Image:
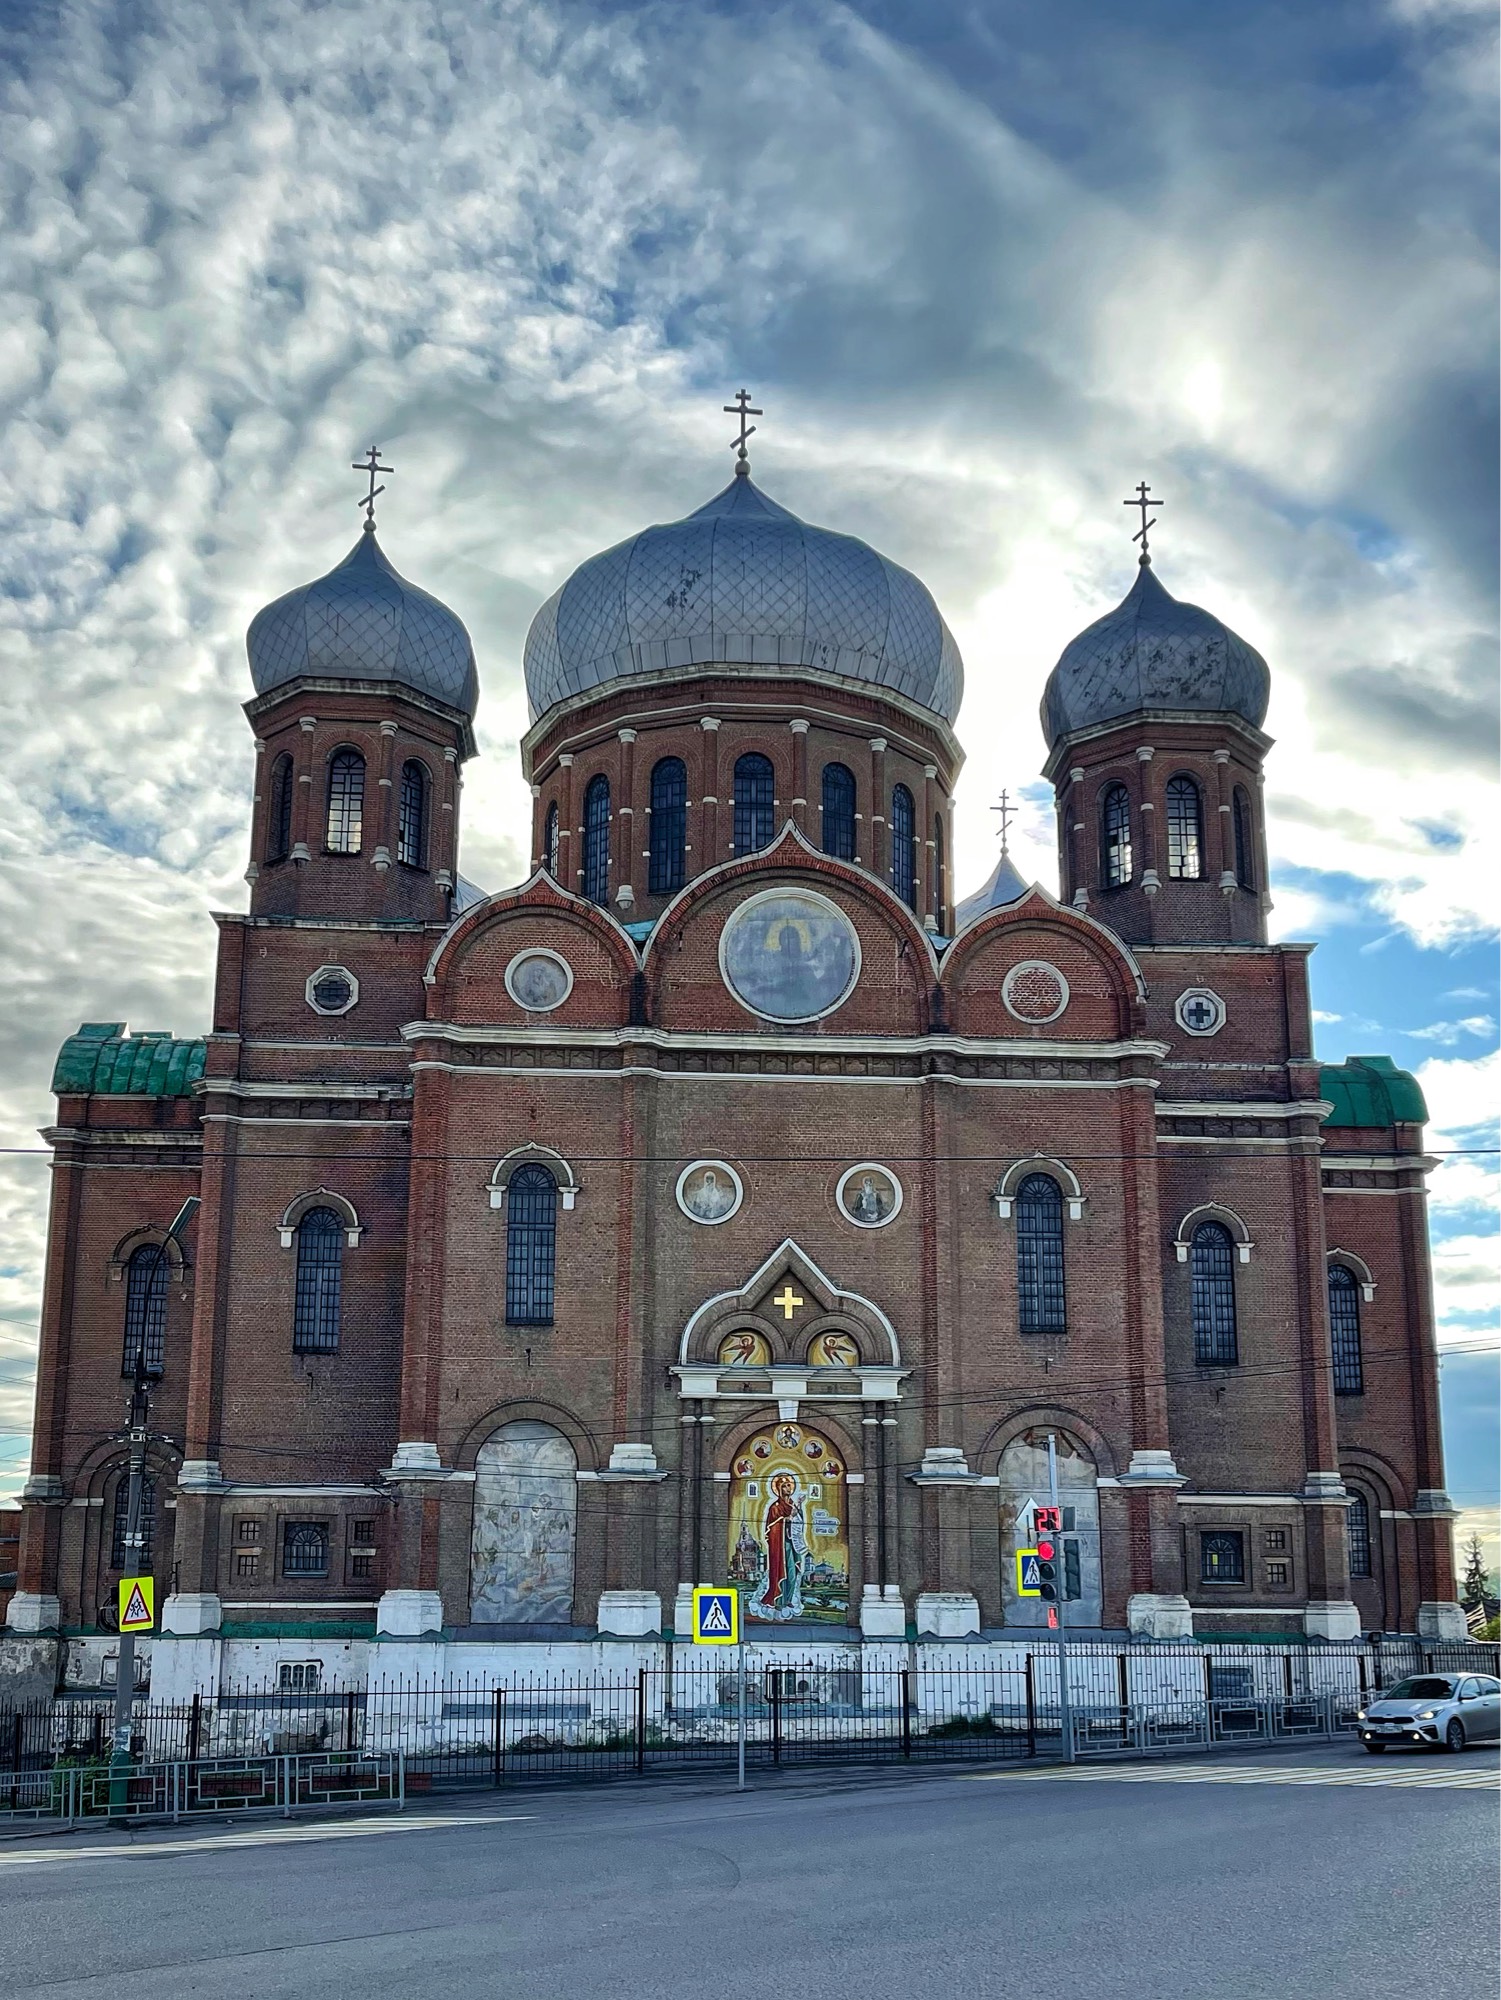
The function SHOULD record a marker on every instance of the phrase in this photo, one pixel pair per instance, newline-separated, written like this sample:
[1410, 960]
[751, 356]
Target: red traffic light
[1045, 1550]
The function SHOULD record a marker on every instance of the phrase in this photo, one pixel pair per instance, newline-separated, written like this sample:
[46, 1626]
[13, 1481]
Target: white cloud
[1476, 1026]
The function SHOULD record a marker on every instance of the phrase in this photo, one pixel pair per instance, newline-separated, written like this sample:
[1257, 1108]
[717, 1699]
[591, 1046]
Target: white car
[1447, 1709]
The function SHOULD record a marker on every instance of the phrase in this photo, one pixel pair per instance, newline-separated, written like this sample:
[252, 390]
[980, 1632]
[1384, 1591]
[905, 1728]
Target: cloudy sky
[985, 266]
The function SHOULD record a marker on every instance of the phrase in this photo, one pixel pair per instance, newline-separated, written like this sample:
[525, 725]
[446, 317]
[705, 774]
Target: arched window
[1245, 849]
[1115, 837]
[839, 812]
[1185, 831]
[120, 1522]
[1358, 1533]
[669, 827]
[320, 1282]
[597, 840]
[531, 1246]
[346, 802]
[146, 1309]
[279, 818]
[1039, 1255]
[1212, 1264]
[550, 841]
[1344, 1330]
[411, 818]
[940, 872]
[755, 802]
[903, 854]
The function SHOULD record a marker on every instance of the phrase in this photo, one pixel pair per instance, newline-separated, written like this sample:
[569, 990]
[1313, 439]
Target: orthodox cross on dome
[787, 1299]
[371, 465]
[1144, 501]
[1007, 812]
[741, 408]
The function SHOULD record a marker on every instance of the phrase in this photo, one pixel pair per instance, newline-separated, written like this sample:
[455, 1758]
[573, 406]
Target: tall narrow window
[669, 826]
[145, 1309]
[1245, 849]
[1185, 831]
[550, 841]
[903, 854]
[1344, 1330]
[411, 819]
[346, 802]
[1212, 1266]
[839, 811]
[279, 817]
[755, 802]
[940, 873]
[120, 1522]
[1039, 1255]
[320, 1283]
[531, 1246]
[597, 840]
[1358, 1533]
[1115, 837]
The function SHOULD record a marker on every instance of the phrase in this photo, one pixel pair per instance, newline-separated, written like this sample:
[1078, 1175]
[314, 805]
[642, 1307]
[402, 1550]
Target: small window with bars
[1279, 1575]
[597, 840]
[1344, 1331]
[1115, 837]
[1275, 1538]
[1185, 831]
[411, 818]
[320, 1280]
[839, 811]
[299, 1676]
[531, 1246]
[247, 1562]
[146, 1310]
[1358, 1534]
[1040, 1300]
[120, 1523]
[755, 815]
[279, 818]
[667, 839]
[362, 1550]
[1222, 1557]
[304, 1548]
[1212, 1268]
[346, 802]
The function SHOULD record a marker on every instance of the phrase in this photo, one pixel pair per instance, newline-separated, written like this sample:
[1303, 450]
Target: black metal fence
[982, 1703]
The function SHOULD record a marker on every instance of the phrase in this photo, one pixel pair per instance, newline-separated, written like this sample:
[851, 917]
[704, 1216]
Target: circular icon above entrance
[539, 980]
[1034, 992]
[789, 955]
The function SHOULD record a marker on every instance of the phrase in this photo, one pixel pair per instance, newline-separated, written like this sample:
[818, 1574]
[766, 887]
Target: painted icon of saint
[784, 1540]
[870, 1203]
[712, 1198]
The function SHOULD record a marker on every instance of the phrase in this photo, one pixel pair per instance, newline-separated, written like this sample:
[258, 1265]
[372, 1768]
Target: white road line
[1250, 1774]
[259, 1836]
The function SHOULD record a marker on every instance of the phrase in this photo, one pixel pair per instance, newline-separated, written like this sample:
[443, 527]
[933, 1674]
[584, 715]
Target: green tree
[1475, 1576]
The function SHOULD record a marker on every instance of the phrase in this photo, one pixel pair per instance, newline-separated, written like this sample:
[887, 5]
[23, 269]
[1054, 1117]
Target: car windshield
[1421, 1687]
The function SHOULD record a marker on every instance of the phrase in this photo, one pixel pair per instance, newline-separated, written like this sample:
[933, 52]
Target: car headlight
[1427, 1715]
[1360, 1715]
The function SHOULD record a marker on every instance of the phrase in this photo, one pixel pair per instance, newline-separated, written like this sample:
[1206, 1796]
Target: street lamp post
[135, 1537]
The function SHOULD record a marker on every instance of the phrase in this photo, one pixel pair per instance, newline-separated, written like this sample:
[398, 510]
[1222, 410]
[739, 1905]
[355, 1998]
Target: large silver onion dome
[742, 581]
[1153, 652]
[364, 622]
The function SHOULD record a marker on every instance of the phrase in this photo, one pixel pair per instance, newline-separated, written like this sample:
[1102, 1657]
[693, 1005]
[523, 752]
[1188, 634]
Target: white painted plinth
[407, 1614]
[948, 1614]
[1337, 1619]
[883, 1615]
[183, 1667]
[1150, 1615]
[30, 1611]
[630, 1614]
[190, 1612]
[1438, 1620]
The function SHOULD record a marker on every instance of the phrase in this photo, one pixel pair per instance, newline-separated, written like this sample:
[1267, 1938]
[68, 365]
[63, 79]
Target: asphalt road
[1321, 1871]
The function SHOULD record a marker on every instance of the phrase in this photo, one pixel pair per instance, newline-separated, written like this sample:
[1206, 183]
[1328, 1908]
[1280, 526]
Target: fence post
[195, 1725]
[906, 1674]
[640, 1719]
[500, 1737]
[349, 1709]
[285, 1774]
[401, 1781]
[776, 1716]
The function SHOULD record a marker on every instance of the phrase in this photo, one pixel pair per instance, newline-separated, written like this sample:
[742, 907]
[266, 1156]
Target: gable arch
[320, 1197]
[1061, 1417]
[529, 1409]
[538, 896]
[1104, 992]
[842, 1310]
[148, 1236]
[1004, 1196]
[1213, 1211]
[536, 1155]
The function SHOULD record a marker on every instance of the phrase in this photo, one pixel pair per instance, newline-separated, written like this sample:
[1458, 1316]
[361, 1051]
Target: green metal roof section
[104, 1057]
[1372, 1091]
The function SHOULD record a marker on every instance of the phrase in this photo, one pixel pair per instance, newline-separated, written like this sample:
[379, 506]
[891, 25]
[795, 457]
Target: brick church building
[725, 1203]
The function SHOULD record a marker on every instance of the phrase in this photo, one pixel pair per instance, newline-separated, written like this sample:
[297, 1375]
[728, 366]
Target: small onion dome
[1153, 652]
[363, 622]
[1005, 886]
[744, 582]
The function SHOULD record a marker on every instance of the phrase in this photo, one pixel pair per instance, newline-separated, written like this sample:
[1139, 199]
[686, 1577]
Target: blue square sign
[716, 1617]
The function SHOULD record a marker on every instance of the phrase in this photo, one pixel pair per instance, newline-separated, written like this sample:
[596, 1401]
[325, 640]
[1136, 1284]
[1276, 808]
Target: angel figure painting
[788, 1544]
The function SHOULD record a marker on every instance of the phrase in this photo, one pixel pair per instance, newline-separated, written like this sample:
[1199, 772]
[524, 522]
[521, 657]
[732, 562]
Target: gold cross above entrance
[788, 1300]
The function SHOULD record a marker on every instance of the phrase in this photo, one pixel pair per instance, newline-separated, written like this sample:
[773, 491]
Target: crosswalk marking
[259, 1836]
[1445, 1778]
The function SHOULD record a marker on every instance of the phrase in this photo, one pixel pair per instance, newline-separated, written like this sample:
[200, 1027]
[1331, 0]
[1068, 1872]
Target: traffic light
[1047, 1567]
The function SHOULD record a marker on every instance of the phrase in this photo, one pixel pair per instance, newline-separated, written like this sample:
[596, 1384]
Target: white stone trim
[1035, 965]
[331, 972]
[1205, 993]
[1360, 1269]
[543, 1156]
[753, 1284]
[1212, 1211]
[319, 1197]
[1005, 1193]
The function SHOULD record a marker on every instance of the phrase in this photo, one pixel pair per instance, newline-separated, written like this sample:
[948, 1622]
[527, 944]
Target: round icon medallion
[789, 955]
[1034, 992]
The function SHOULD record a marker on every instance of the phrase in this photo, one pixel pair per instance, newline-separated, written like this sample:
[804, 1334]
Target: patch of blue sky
[1469, 1389]
[93, 825]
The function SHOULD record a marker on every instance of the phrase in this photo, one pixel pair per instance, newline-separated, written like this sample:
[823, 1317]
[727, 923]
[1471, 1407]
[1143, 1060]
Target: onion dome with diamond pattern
[1152, 652]
[745, 582]
[363, 622]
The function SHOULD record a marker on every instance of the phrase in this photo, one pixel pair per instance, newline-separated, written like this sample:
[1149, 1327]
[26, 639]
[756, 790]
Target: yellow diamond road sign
[137, 1601]
[716, 1617]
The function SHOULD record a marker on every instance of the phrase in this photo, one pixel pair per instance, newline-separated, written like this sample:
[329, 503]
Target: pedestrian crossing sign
[137, 1603]
[716, 1617]
[1028, 1575]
